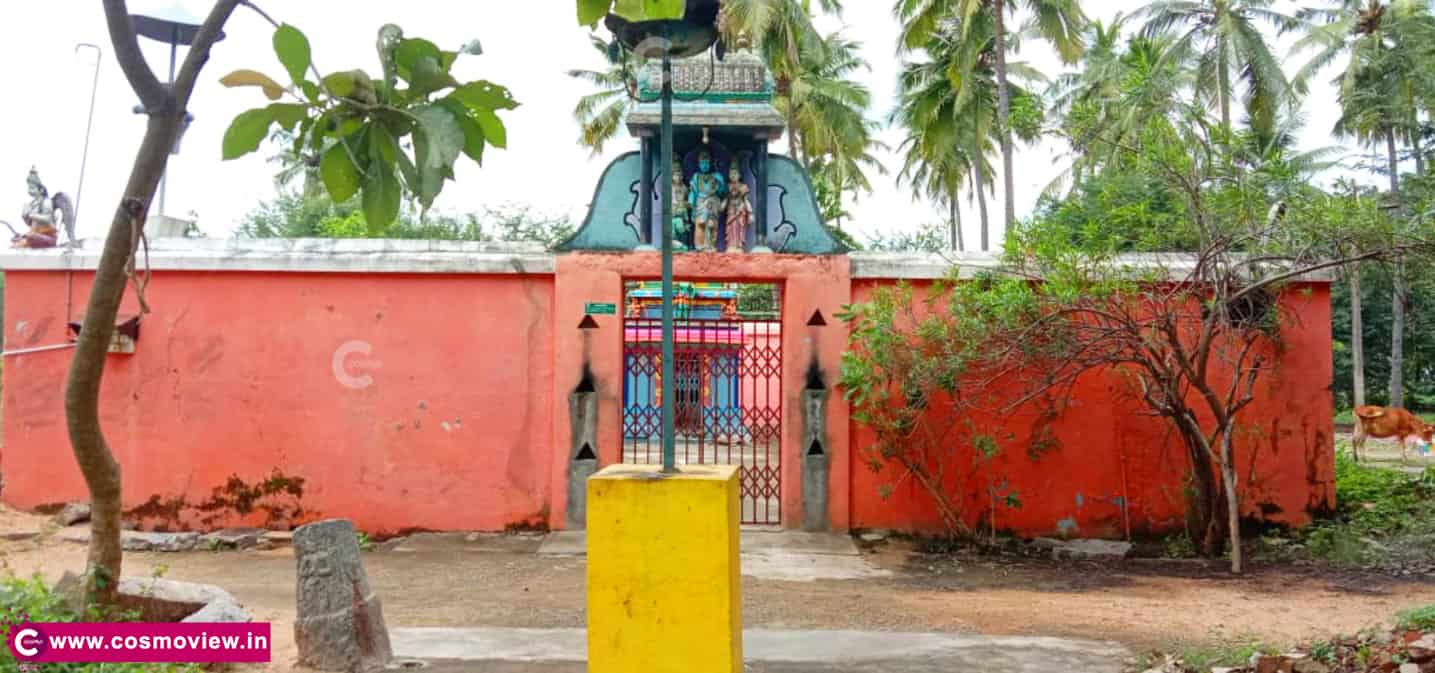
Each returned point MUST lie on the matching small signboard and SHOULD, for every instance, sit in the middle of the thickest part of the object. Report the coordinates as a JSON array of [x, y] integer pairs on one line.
[[601, 309]]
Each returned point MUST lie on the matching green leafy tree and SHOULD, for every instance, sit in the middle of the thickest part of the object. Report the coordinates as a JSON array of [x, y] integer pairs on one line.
[[1059, 22], [1192, 337], [292, 216], [783, 34], [828, 112], [1384, 90], [362, 127], [929, 237], [1124, 86], [590, 12]]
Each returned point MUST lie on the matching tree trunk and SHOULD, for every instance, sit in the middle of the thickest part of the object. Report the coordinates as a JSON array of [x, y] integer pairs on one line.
[[1397, 314], [1397, 338], [1223, 95], [1003, 116], [82, 391], [1419, 151], [1233, 500], [958, 243], [980, 186], [792, 135], [164, 106], [1357, 338], [1203, 505]]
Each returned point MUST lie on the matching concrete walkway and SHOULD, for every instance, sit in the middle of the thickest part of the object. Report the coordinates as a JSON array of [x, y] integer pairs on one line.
[[445, 650], [788, 556]]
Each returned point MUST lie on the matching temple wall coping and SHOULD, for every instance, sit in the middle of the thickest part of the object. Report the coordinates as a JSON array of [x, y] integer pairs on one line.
[[321, 255], [307, 255]]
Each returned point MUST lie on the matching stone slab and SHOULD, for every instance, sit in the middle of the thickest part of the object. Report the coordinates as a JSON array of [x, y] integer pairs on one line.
[[72, 513], [233, 538], [161, 600], [131, 540], [780, 651], [221, 611], [1086, 550], [163, 542]]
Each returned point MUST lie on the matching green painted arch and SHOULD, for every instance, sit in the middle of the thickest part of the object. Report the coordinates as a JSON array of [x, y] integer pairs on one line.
[[795, 224]]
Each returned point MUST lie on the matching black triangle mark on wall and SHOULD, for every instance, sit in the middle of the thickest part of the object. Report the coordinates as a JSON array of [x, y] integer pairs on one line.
[[815, 449], [588, 323], [817, 320], [585, 452]]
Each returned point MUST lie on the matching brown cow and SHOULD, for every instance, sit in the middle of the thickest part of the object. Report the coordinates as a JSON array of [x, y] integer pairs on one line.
[[1388, 422]]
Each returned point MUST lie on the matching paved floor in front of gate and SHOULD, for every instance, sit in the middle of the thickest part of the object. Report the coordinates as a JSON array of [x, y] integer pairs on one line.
[[497, 650], [788, 556]]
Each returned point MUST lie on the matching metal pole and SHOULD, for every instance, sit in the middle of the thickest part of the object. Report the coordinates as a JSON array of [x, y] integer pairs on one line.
[[669, 378], [85, 154], [38, 349]]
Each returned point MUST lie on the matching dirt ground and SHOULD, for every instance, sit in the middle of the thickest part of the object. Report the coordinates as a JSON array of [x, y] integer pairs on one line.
[[499, 581]]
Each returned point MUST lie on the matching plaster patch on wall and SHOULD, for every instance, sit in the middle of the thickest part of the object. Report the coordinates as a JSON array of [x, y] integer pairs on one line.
[[1067, 526]]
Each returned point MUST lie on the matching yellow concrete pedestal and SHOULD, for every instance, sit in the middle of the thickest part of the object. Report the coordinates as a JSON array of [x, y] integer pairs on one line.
[[664, 587]]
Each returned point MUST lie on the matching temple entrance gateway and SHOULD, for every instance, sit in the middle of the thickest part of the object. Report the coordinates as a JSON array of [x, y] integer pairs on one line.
[[728, 378]]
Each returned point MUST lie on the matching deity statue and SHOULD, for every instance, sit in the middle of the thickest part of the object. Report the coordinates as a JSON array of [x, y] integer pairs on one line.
[[680, 206], [706, 194], [39, 217], [739, 211]]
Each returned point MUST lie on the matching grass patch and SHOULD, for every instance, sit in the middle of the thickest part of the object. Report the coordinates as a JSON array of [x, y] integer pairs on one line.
[[1418, 619], [32, 600], [1228, 652], [1384, 519], [1232, 653]]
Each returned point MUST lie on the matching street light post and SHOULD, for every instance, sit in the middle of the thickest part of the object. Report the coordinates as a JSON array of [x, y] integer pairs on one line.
[[693, 34], [173, 26], [669, 378]]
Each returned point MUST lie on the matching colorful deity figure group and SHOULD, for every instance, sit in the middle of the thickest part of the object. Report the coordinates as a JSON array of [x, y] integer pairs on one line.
[[708, 197]]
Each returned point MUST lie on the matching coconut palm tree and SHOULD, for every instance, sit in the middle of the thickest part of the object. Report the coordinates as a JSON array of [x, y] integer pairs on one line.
[[781, 30], [1060, 22], [949, 108], [1225, 45], [825, 107], [1122, 87], [600, 114], [827, 111], [1383, 91]]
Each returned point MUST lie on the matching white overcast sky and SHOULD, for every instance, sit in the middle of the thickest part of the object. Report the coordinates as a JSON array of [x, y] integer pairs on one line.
[[528, 46]]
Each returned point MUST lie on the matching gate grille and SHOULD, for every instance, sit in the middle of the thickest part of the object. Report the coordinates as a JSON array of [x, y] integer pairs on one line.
[[729, 402]]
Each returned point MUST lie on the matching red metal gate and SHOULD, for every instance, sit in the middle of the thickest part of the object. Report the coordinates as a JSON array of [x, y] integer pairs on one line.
[[728, 374]]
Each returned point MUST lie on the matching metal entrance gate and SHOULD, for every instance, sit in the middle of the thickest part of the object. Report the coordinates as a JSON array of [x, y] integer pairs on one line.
[[729, 401]]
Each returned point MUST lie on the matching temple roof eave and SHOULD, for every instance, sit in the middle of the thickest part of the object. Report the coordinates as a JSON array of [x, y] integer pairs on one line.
[[761, 118]]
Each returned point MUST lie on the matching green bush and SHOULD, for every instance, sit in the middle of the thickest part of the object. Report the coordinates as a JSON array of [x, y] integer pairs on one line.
[[1377, 499], [33, 600], [1383, 517]]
